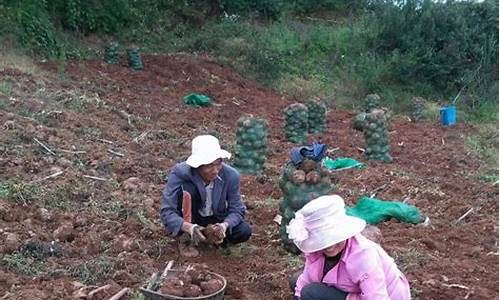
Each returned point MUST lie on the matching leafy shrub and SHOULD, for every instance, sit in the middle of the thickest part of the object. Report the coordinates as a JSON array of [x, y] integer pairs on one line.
[[38, 32], [445, 44], [95, 16], [270, 9], [308, 6]]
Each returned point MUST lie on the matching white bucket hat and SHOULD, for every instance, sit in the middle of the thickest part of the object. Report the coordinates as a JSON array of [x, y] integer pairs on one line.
[[322, 223], [205, 149]]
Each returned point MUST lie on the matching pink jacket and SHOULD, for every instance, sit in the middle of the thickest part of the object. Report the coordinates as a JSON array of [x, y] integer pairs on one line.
[[364, 269]]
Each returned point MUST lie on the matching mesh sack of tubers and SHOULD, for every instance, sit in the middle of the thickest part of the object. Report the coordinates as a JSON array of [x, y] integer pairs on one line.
[[359, 121], [377, 136], [251, 145], [296, 122], [134, 58], [111, 54], [417, 109], [316, 116], [372, 101], [299, 186]]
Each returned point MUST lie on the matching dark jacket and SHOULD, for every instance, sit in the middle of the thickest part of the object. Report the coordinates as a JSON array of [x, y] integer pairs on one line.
[[226, 198]]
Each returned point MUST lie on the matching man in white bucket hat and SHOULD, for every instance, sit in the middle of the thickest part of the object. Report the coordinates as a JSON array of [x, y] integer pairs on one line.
[[340, 262], [204, 190]]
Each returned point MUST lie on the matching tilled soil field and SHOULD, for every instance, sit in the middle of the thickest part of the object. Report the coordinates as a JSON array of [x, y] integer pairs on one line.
[[84, 154]]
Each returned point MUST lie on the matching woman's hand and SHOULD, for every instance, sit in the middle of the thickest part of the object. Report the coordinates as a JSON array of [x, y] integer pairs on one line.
[[352, 296]]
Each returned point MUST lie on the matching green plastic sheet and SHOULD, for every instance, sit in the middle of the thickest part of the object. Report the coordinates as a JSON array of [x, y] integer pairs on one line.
[[341, 163], [197, 100], [375, 211]]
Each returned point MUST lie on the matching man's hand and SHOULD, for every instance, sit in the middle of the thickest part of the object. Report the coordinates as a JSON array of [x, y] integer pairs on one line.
[[196, 234], [221, 230]]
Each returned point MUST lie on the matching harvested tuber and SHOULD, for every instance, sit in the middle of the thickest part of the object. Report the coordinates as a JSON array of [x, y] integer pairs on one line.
[[308, 165], [192, 290], [213, 234], [313, 177], [298, 176], [211, 286]]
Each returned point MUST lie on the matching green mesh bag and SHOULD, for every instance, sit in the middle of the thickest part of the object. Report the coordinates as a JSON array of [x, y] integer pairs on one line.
[[296, 122], [375, 211], [111, 54], [134, 59], [251, 145], [197, 100], [300, 185], [377, 136], [316, 116], [341, 163]]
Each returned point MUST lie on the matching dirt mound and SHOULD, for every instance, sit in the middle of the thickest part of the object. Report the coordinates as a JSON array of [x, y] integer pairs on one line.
[[84, 154]]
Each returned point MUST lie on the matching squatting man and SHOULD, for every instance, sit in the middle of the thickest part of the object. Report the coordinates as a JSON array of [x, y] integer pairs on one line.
[[200, 191]]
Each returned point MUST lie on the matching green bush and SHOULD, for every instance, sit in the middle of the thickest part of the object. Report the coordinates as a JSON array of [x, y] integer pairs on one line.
[[447, 45], [95, 16], [316, 48], [308, 6], [270, 9], [38, 32]]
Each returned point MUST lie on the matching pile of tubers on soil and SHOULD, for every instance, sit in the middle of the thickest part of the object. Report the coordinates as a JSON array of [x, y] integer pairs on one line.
[[191, 283]]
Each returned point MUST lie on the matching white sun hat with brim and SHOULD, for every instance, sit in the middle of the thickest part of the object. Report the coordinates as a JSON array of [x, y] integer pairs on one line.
[[205, 149], [322, 223]]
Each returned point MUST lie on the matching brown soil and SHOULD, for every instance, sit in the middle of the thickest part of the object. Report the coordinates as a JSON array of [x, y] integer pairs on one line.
[[133, 126]]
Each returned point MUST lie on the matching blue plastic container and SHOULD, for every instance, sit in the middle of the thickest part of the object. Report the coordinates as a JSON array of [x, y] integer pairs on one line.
[[448, 115]]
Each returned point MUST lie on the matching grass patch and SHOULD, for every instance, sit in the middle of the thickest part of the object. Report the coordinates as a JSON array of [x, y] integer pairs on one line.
[[53, 197], [143, 219], [161, 176], [20, 192], [137, 295], [159, 247], [242, 250], [80, 162], [77, 105], [5, 88], [431, 111], [294, 261], [266, 203], [483, 113], [23, 264], [410, 259], [110, 209], [302, 88], [91, 132], [485, 145], [13, 58], [96, 270], [61, 198]]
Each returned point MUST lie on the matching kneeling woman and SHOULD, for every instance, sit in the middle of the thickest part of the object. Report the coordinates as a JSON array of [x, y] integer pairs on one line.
[[340, 262]]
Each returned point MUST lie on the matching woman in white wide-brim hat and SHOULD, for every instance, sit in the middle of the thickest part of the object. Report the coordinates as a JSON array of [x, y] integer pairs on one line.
[[340, 262]]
